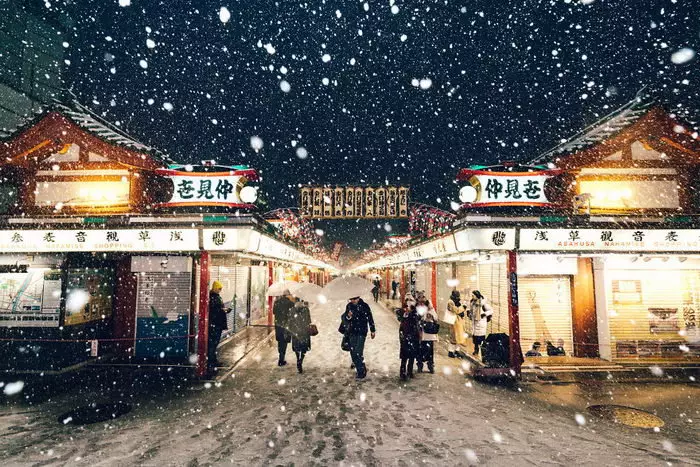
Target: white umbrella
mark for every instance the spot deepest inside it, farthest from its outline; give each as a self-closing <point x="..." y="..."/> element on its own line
<point x="278" y="288"/>
<point x="345" y="287"/>
<point x="308" y="292"/>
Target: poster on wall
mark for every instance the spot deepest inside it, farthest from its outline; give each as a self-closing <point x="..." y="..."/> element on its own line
<point x="663" y="320"/>
<point x="30" y="299"/>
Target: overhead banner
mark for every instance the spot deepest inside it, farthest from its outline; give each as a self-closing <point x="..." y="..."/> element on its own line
<point x="45" y="241"/>
<point x="353" y="202"/>
<point x="622" y="240"/>
<point x="487" y="188"/>
<point x="210" y="188"/>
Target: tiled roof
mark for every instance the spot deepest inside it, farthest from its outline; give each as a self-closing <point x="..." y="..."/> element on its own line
<point x="600" y="130"/>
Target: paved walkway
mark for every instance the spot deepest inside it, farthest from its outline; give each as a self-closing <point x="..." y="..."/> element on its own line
<point x="266" y="415"/>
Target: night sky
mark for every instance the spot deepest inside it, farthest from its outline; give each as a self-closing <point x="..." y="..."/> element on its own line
<point x="403" y="92"/>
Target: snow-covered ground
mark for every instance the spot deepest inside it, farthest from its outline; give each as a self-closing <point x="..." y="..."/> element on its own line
<point x="264" y="414"/>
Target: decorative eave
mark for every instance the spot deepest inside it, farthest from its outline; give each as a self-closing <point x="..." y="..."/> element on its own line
<point x="55" y="130"/>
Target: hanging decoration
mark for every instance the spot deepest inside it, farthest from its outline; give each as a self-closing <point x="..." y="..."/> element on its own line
<point x="427" y="221"/>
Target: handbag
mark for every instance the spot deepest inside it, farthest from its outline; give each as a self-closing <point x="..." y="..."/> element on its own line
<point x="345" y="344"/>
<point x="449" y="318"/>
<point x="313" y="330"/>
<point x="431" y="327"/>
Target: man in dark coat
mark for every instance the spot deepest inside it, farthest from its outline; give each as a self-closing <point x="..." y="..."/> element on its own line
<point x="217" y="323"/>
<point x="394" y="287"/>
<point x="282" y="311"/>
<point x="356" y="319"/>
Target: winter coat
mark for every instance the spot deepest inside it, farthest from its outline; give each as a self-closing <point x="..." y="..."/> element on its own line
<point x="460" y="336"/>
<point x="361" y="319"/>
<point x="217" y="315"/>
<point x="480" y="313"/>
<point x="282" y="311"/>
<point x="409" y="334"/>
<point x="298" y="326"/>
<point x="429" y="316"/>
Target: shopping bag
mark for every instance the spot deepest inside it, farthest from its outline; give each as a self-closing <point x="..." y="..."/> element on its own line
<point x="313" y="330"/>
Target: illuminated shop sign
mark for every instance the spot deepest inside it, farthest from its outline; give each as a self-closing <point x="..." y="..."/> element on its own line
<point x="211" y="188"/>
<point x="353" y="202"/>
<point x="622" y="240"/>
<point x="487" y="188"/>
<point x="40" y="241"/>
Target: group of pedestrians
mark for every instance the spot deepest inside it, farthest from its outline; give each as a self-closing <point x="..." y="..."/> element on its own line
<point x="418" y="329"/>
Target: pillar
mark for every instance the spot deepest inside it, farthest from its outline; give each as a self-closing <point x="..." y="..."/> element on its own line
<point x="402" y="287"/>
<point x="433" y="284"/>
<point x="270" y="280"/>
<point x="514" y="314"/>
<point x="203" y="321"/>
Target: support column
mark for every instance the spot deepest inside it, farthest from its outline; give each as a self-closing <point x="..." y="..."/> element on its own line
<point x="203" y="321"/>
<point x="514" y="314"/>
<point x="402" y="287"/>
<point x="433" y="285"/>
<point x="270" y="279"/>
<point x="387" y="283"/>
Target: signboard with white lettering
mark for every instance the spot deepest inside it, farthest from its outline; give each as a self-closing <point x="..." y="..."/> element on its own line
<point x="353" y="202"/>
<point x="207" y="188"/>
<point x="623" y="240"/>
<point x="40" y="241"/>
<point x="485" y="239"/>
<point x="505" y="188"/>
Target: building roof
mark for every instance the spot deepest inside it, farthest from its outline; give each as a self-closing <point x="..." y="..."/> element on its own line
<point x="74" y="113"/>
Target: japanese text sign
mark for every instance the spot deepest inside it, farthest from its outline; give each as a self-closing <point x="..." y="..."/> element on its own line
<point x="623" y="240"/>
<point x="508" y="188"/>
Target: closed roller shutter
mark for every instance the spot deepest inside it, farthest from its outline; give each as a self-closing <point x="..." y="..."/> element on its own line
<point x="493" y="284"/>
<point x="652" y="318"/>
<point x="545" y="311"/>
<point x="444" y="274"/>
<point x="423" y="274"/>
<point x="235" y="280"/>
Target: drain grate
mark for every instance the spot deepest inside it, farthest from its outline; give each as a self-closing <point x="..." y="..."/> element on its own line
<point x="627" y="416"/>
<point x="94" y="413"/>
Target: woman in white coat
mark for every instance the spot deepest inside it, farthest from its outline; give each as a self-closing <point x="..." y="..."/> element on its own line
<point x="480" y="313"/>
<point x="428" y="339"/>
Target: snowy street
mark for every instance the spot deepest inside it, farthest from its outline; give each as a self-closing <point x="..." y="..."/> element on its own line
<point x="267" y="415"/>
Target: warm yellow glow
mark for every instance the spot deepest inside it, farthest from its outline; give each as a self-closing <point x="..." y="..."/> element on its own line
<point x="630" y="194"/>
<point x="85" y="193"/>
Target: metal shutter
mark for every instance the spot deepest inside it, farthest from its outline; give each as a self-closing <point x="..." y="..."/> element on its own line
<point x="545" y="311"/>
<point x="258" y="287"/>
<point x="235" y="279"/>
<point x="650" y="311"/>
<point x="423" y="275"/>
<point x="493" y="284"/>
<point x="467" y="275"/>
<point x="444" y="274"/>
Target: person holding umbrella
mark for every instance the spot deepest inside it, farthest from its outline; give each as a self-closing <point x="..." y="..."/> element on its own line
<point x="282" y="311"/>
<point x="355" y="321"/>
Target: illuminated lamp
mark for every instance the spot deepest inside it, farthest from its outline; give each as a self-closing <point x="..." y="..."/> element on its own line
<point x="467" y="194"/>
<point x="249" y="194"/>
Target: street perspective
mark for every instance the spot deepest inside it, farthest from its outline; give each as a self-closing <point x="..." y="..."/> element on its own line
<point x="349" y="233"/>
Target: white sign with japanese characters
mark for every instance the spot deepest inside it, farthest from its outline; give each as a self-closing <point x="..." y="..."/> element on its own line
<point x="40" y="241"/>
<point x="485" y="239"/>
<point x="231" y="239"/>
<point x="204" y="190"/>
<point x="504" y="189"/>
<point x="623" y="240"/>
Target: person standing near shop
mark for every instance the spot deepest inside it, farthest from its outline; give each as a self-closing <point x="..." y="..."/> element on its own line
<point x="356" y="319"/>
<point x="429" y="336"/>
<point x="409" y="341"/>
<point x="375" y="290"/>
<point x="298" y="325"/>
<point x="217" y="324"/>
<point x="282" y="311"/>
<point x="394" y="287"/>
<point x="455" y="317"/>
<point x="480" y="313"/>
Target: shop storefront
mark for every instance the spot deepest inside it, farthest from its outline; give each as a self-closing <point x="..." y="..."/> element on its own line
<point x="108" y="249"/>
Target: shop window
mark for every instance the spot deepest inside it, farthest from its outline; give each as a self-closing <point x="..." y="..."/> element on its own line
<point x="627" y="292"/>
<point x="83" y="194"/>
<point x="88" y="295"/>
<point x="621" y="195"/>
<point x="29" y="297"/>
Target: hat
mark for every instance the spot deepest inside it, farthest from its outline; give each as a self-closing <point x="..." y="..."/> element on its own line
<point x="477" y="294"/>
<point x="216" y="285"/>
<point x="353" y="298"/>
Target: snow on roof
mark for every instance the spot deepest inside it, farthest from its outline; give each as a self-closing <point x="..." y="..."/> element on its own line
<point x="91" y="122"/>
<point x="600" y="130"/>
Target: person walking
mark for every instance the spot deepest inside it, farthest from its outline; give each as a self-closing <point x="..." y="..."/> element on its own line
<point x="282" y="311"/>
<point x="298" y="326"/>
<point x="480" y="313"/>
<point x="394" y="287"/>
<point x="355" y="320"/>
<point x="375" y="290"/>
<point x="455" y="317"/>
<point x="217" y="324"/>
<point x="409" y="341"/>
<point x="429" y="336"/>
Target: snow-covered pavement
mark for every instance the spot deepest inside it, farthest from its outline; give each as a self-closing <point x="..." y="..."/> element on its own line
<point x="264" y="414"/>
